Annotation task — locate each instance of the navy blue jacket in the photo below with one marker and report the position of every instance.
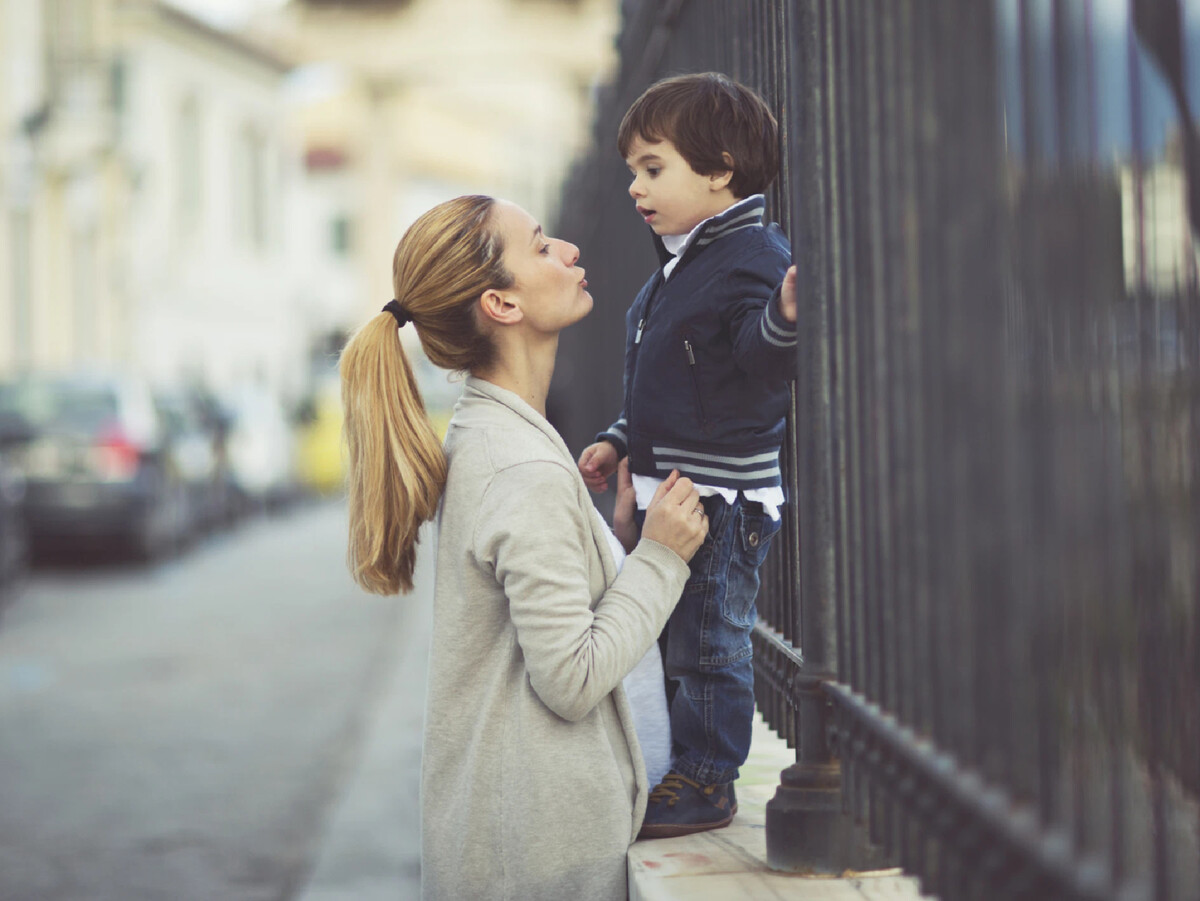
(708, 358)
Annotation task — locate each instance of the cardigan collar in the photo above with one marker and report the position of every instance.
(513, 401)
(477, 390)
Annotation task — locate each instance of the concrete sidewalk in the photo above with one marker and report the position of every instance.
(371, 849)
(732, 862)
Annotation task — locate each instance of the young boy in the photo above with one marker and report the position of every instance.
(710, 348)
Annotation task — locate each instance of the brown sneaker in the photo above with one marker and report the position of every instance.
(679, 806)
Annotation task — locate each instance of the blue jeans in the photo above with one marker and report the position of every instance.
(707, 652)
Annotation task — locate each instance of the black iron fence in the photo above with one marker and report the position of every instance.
(981, 623)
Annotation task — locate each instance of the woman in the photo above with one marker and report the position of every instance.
(532, 783)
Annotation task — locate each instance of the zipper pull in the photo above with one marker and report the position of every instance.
(637, 339)
(687, 345)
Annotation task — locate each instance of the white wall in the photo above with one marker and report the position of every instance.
(211, 301)
(22, 90)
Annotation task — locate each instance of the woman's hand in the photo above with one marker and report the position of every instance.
(597, 462)
(675, 517)
(624, 524)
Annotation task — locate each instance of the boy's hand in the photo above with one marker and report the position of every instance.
(675, 517)
(624, 525)
(597, 462)
(787, 296)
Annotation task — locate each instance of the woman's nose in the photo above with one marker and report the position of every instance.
(572, 252)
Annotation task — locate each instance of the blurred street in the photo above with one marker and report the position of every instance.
(189, 730)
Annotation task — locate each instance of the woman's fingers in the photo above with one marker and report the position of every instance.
(667, 484)
(676, 517)
(682, 493)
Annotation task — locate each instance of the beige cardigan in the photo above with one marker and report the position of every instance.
(532, 781)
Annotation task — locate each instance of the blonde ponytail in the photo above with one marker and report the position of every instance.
(396, 468)
(396, 462)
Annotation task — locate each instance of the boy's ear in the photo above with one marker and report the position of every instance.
(498, 307)
(720, 180)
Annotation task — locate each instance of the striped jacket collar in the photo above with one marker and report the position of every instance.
(747, 213)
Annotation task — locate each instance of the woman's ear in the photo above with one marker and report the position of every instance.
(720, 180)
(499, 307)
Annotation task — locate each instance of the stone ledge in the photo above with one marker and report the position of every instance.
(732, 862)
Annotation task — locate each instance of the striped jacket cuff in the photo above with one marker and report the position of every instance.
(616, 434)
(776, 330)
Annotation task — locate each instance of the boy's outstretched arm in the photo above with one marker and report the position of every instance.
(762, 319)
(787, 295)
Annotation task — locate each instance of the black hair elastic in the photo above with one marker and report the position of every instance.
(398, 313)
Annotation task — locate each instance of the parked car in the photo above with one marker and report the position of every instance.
(97, 465)
(195, 439)
(319, 458)
(261, 449)
(14, 538)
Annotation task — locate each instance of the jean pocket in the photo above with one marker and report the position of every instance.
(755, 531)
(753, 535)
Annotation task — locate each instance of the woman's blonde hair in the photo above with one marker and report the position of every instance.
(396, 467)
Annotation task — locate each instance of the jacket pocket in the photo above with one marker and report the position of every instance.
(691, 362)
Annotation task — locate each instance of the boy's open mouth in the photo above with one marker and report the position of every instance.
(646, 214)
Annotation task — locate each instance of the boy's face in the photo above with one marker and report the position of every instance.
(671, 197)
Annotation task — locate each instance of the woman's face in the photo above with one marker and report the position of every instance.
(548, 287)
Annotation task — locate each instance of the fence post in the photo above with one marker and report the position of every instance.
(806, 827)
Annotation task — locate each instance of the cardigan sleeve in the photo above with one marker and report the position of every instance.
(536, 538)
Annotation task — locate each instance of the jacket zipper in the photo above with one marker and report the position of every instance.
(637, 340)
(687, 346)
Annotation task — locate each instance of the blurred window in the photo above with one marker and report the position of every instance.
(250, 204)
(71, 31)
(19, 273)
(358, 4)
(76, 407)
(71, 25)
(73, 56)
(190, 173)
(118, 77)
(340, 235)
(83, 290)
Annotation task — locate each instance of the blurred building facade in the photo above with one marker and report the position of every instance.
(402, 103)
(22, 102)
(205, 150)
(198, 206)
(143, 191)
(57, 246)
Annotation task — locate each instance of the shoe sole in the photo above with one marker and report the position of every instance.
(674, 830)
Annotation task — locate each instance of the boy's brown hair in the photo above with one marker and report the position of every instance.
(705, 115)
